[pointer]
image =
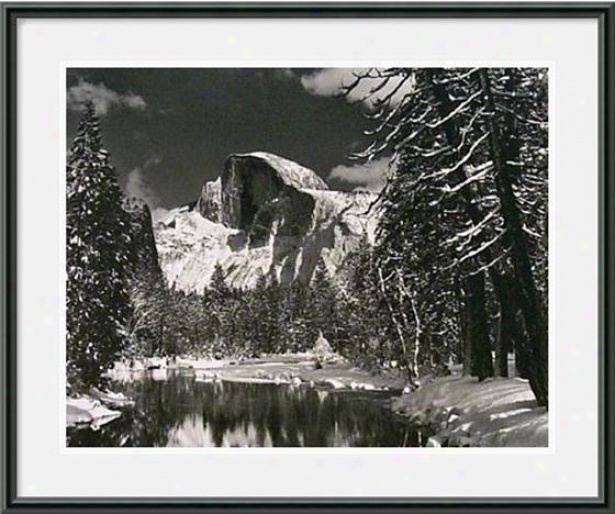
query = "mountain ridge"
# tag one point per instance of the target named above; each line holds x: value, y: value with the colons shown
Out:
x: 264, y: 215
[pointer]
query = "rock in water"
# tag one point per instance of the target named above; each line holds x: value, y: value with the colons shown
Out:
x: 433, y: 442
x: 265, y: 215
x: 334, y: 383
x: 85, y: 410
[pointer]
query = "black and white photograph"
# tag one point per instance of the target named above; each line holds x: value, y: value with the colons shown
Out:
x: 307, y: 257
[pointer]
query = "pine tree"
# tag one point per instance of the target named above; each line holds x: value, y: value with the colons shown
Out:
x: 218, y: 302
x: 259, y: 312
x: 472, y: 143
x: 323, y: 304
x: 148, y: 291
x: 219, y: 290
x: 150, y: 301
x: 273, y: 300
x: 97, y: 258
x: 362, y: 323
x: 300, y: 336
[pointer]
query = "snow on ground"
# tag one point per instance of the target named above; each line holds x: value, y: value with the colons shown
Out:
x: 459, y: 411
x: 87, y: 411
x: 497, y: 412
x: 91, y: 409
x: 299, y: 369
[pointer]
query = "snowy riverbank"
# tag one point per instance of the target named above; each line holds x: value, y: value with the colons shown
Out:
x: 458, y: 411
x: 299, y: 370
x: 463, y: 412
x: 93, y: 410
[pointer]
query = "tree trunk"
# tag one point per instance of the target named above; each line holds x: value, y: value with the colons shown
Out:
x: 466, y: 339
x: 418, y: 332
x: 501, y: 355
x: 506, y: 330
x: 411, y: 374
x: 452, y: 132
x: 478, y: 332
x: 522, y: 354
x: 528, y: 297
x: 465, y: 343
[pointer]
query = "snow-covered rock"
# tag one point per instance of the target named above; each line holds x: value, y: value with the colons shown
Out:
x: 85, y: 410
x: 433, y: 442
x: 265, y: 215
x: 334, y: 383
x: 367, y: 387
x: 111, y: 398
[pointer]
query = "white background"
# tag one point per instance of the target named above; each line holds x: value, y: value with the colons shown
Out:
x: 567, y: 468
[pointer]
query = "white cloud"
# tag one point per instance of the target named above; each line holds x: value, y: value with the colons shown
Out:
x: 103, y: 98
x: 370, y: 176
x: 159, y: 213
x: 137, y: 187
x: 331, y: 82
x: 328, y: 81
x: 284, y: 74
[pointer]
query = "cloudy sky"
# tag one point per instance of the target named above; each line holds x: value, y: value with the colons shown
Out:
x: 169, y: 130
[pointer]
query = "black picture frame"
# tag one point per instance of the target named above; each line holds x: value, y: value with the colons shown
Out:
x: 603, y: 12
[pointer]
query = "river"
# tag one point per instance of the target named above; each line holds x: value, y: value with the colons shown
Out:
x: 174, y: 410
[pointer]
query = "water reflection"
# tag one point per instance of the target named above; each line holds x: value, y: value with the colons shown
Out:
x: 174, y: 410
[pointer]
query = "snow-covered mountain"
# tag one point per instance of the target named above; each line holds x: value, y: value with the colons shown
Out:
x: 265, y: 215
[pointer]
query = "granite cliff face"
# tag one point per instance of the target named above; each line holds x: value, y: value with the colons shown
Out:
x: 209, y: 203
x: 264, y: 215
x: 142, y: 247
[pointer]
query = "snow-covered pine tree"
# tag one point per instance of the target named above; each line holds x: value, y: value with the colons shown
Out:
x: 453, y: 134
x: 97, y: 258
x: 299, y: 328
x: 219, y: 302
x: 264, y: 315
x: 364, y: 323
x: 415, y: 279
x: 323, y: 304
x: 148, y: 292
